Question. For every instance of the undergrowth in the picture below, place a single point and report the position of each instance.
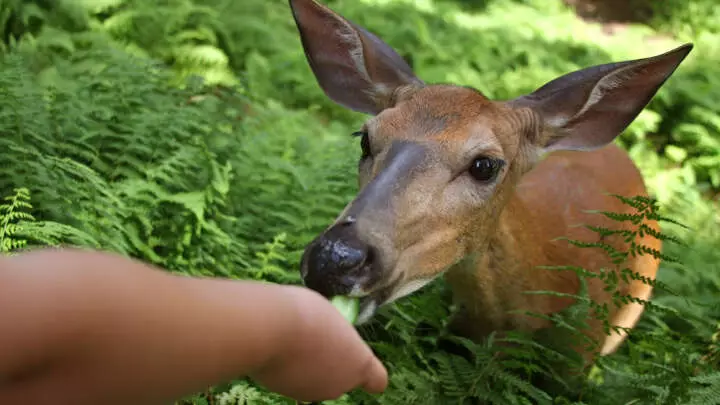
(502, 47)
(110, 141)
(13, 211)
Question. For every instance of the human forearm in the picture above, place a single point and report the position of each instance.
(98, 330)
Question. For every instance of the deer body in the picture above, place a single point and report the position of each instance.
(477, 190)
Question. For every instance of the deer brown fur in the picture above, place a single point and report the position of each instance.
(477, 190)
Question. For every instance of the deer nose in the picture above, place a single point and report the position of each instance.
(336, 262)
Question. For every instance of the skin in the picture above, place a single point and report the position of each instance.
(84, 327)
(422, 214)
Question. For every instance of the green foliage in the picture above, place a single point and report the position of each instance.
(10, 213)
(502, 47)
(18, 227)
(118, 154)
(111, 141)
(690, 18)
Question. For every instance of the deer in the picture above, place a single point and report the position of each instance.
(480, 192)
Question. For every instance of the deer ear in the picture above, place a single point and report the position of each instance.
(589, 108)
(353, 67)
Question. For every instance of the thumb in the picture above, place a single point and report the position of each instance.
(377, 377)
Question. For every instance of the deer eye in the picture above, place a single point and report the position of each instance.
(364, 143)
(485, 169)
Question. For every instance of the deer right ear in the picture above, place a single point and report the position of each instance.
(353, 67)
(588, 108)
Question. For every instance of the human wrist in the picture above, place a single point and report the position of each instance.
(255, 321)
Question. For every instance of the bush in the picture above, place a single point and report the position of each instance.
(502, 47)
(110, 140)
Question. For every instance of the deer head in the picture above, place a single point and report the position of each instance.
(439, 161)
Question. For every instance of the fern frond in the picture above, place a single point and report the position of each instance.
(12, 212)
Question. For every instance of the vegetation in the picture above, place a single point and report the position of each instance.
(192, 135)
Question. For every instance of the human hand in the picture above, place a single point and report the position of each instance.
(325, 359)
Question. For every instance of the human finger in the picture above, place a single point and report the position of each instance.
(377, 378)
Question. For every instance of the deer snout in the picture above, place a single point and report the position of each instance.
(338, 262)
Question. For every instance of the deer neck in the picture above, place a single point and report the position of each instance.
(490, 281)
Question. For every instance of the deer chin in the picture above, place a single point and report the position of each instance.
(370, 303)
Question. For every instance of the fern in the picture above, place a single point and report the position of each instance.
(246, 394)
(192, 135)
(19, 229)
(10, 214)
(709, 390)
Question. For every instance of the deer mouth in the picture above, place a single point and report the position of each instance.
(368, 309)
(371, 303)
(394, 291)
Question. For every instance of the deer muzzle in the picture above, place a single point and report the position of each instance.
(356, 256)
(338, 262)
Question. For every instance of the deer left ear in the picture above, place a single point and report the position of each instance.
(589, 108)
(355, 68)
